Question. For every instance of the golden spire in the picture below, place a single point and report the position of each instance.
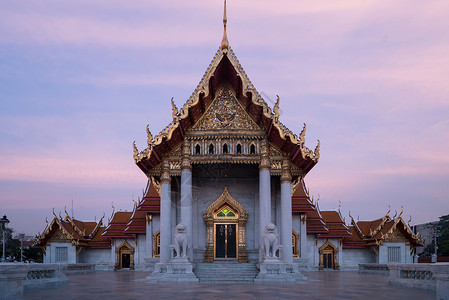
(224, 41)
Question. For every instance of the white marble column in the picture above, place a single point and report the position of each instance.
(286, 212)
(264, 194)
(165, 217)
(303, 236)
(186, 196)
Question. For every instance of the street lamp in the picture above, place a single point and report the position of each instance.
(21, 237)
(3, 222)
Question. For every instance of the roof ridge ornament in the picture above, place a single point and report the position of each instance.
(224, 41)
(276, 109)
(174, 108)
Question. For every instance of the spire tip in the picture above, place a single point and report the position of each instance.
(224, 41)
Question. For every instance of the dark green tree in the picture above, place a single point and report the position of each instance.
(12, 245)
(443, 236)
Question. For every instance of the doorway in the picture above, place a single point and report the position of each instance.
(126, 260)
(225, 241)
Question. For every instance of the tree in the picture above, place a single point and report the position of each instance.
(443, 236)
(11, 244)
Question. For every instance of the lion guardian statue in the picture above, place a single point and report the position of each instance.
(270, 237)
(181, 237)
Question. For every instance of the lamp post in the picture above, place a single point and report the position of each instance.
(3, 222)
(21, 237)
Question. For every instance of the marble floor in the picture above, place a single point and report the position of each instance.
(321, 285)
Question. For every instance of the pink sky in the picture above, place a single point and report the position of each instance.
(80, 80)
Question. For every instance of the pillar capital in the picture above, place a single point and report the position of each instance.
(165, 175)
(264, 156)
(185, 162)
(286, 175)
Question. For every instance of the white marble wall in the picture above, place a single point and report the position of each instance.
(353, 257)
(100, 257)
(404, 253)
(50, 255)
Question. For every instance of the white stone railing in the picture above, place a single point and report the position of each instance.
(71, 269)
(374, 269)
(433, 277)
(17, 277)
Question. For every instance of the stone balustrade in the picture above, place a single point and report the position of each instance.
(374, 269)
(17, 277)
(422, 276)
(71, 269)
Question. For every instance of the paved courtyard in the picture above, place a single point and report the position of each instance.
(321, 285)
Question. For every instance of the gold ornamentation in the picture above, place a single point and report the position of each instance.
(135, 152)
(124, 248)
(225, 113)
(186, 165)
(174, 109)
(149, 137)
(175, 165)
(240, 219)
(286, 176)
(276, 109)
(329, 249)
(157, 244)
(165, 176)
(295, 238)
(264, 156)
(394, 236)
(247, 89)
(224, 41)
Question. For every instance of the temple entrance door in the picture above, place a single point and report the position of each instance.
(125, 256)
(328, 256)
(225, 241)
(126, 260)
(328, 259)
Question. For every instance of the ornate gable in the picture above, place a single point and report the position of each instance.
(225, 113)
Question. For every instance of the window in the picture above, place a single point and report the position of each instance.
(157, 244)
(295, 238)
(252, 149)
(61, 254)
(239, 149)
(211, 149)
(226, 212)
(394, 254)
(225, 149)
(198, 149)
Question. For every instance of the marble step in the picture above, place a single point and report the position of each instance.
(226, 272)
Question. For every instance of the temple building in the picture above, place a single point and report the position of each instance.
(226, 189)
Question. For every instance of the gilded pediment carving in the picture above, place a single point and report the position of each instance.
(225, 113)
(60, 236)
(395, 236)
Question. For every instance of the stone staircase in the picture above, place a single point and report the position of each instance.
(226, 272)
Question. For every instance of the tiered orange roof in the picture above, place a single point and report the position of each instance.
(150, 204)
(301, 203)
(374, 233)
(117, 225)
(300, 200)
(80, 233)
(335, 225)
(315, 222)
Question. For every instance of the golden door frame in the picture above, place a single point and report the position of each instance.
(124, 248)
(211, 218)
(325, 250)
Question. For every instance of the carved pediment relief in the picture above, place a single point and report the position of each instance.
(395, 236)
(60, 236)
(225, 113)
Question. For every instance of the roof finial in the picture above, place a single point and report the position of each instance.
(224, 41)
